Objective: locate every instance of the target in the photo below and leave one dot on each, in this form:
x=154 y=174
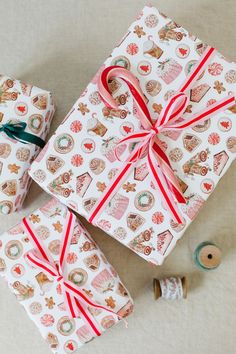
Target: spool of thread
x=207 y=256
x=172 y=288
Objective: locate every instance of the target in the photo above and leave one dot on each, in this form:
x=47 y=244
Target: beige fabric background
x=59 y=45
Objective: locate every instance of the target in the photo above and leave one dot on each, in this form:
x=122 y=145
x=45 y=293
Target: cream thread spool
x=207 y=256
x=172 y=288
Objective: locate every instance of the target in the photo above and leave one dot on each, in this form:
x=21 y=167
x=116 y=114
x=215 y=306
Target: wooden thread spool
x=158 y=286
x=207 y=256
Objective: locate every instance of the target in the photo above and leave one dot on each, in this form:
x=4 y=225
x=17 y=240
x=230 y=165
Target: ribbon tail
x=83 y=302
x=168 y=173
x=109 y=193
x=70 y=304
x=161 y=184
x=177 y=192
x=88 y=317
x=25 y=138
x=77 y=292
x=76 y=309
x=66 y=238
x=11 y=134
x=114 y=186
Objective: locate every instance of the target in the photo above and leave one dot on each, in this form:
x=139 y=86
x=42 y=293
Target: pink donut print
x=162 y=143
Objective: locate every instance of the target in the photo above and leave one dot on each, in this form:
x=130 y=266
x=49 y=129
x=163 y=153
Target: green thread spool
x=207 y=256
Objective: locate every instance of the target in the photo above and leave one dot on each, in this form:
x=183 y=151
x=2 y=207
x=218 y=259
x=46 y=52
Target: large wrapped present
x=61 y=277
x=25 y=116
x=148 y=140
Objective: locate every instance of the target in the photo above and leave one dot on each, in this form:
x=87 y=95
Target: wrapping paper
x=79 y=161
x=20 y=102
x=41 y=296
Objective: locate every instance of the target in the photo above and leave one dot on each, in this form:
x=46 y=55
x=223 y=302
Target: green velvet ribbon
x=16 y=131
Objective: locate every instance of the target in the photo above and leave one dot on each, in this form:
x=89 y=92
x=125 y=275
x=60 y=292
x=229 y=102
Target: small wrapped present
x=148 y=140
x=25 y=116
x=62 y=279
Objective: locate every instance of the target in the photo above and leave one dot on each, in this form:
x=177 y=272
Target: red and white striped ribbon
x=171 y=118
x=76 y=300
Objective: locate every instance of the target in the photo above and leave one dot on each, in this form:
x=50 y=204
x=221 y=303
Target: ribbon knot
x=171 y=118
x=59 y=275
x=16 y=131
x=76 y=300
x=59 y=279
x=154 y=130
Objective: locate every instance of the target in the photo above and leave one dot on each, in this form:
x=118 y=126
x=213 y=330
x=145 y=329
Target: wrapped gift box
x=20 y=102
x=79 y=161
x=85 y=266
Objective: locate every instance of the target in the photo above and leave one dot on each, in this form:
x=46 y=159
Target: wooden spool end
x=185 y=287
x=210 y=256
x=157 y=288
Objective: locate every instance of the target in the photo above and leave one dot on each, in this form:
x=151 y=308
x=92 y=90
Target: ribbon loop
x=172 y=117
x=175 y=107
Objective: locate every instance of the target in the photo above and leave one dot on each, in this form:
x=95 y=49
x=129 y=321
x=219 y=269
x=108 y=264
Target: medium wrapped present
x=61 y=277
x=148 y=140
x=25 y=116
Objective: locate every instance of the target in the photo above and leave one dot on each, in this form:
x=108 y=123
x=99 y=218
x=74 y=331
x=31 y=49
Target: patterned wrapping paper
x=79 y=161
x=41 y=296
x=34 y=106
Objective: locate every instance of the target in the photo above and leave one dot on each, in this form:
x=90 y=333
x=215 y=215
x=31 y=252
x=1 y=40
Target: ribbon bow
x=76 y=299
x=17 y=131
x=172 y=117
